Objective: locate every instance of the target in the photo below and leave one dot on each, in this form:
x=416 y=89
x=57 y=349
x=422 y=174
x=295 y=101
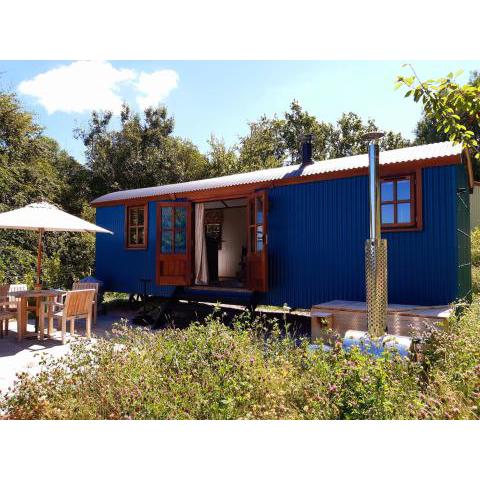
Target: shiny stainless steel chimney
x=375 y=247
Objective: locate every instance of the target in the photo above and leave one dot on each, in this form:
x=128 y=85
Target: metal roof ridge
x=411 y=153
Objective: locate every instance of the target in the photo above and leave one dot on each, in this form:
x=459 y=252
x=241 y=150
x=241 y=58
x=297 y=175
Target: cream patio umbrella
x=44 y=217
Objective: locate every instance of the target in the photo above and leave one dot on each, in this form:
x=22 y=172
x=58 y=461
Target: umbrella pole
x=39 y=258
x=39 y=275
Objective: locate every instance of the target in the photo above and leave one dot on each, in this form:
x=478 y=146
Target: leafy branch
x=454 y=108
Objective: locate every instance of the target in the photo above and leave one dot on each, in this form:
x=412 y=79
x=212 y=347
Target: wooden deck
x=405 y=320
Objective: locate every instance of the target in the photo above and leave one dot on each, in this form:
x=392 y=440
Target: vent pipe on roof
x=307 y=149
x=375 y=247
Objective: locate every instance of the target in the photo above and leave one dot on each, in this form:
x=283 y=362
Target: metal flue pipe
x=374 y=189
x=307 y=149
x=375 y=246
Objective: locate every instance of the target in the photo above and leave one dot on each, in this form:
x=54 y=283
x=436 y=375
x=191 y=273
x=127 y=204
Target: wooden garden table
x=24 y=295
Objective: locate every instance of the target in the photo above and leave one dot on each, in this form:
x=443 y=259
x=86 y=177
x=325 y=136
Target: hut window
x=174 y=230
x=136 y=231
x=398 y=202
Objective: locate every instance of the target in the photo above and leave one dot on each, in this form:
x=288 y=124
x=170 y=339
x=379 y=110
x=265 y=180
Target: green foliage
x=271 y=142
x=263 y=147
x=428 y=131
x=296 y=124
x=451 y=108
x=222 y=159
x=17 y=265
x=34 y=168
x=475 y=249
x=475 y=241
x=213 y=372
x=347 y=136
x=141 y=153
x=68 y=257
x=452 y=369
x=250 y=371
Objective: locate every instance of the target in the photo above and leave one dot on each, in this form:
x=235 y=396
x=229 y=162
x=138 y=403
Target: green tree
x=140 y=153
x=222 y=160
x=451 y=108
x=272 y=142
x=296 y=125
x=34 y=168
x=427 y=130
x=263 y=147
x=347 y=137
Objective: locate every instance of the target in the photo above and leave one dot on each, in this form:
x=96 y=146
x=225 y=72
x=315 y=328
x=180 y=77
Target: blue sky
x=218 y=97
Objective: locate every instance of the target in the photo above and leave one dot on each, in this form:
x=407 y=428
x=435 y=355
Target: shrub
x=452 y=367
x=251 y=371
x=67 y=257
x=475 y=249
x=17 y=265
x=213 y=372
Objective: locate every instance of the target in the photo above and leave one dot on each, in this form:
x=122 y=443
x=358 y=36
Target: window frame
x=138 y=246
x=174 y=229
x=415 y=201
x=254 y=224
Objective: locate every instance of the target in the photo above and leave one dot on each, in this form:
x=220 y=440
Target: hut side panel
x=464 y=260
x=122 y=269
x=317 y=233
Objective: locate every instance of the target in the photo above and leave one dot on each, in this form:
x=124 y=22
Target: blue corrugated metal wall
x=317 y=233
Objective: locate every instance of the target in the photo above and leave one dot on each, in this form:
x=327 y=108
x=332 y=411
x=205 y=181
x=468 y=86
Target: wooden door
x=257 y=242
x=174 y=243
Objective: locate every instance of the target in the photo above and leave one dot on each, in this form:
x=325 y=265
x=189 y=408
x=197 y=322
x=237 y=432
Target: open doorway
x=225 y=224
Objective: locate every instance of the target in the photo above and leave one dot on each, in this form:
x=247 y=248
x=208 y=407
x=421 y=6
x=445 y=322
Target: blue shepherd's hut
x=295 y=234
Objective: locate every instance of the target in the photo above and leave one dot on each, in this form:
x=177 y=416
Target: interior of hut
x=226 y=242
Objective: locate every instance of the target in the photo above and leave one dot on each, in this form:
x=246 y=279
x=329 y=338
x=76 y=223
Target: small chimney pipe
x=307 y=149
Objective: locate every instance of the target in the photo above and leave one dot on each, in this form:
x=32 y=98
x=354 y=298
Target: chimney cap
x=372 y=136
x=308 y=137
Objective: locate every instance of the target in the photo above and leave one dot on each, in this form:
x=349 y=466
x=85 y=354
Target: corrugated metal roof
x=409 y=154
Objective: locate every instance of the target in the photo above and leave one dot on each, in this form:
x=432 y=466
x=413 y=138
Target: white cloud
x=78 y=87
x=95 y=85
x=155 y=87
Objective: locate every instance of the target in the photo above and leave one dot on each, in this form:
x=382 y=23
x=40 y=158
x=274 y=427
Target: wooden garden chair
x=9 y=309
x=77 y=304
x=15 y=302
x=89 y=285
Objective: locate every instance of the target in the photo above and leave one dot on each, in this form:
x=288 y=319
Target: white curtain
x=201 y=266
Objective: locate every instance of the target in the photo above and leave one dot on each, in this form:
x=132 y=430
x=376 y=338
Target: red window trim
x=140 y=246
x=415 y=201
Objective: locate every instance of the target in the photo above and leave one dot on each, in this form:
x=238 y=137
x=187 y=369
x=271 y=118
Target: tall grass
x=213 y=371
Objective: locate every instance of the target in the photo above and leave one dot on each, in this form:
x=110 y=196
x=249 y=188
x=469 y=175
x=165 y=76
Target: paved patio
x=22 y=356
